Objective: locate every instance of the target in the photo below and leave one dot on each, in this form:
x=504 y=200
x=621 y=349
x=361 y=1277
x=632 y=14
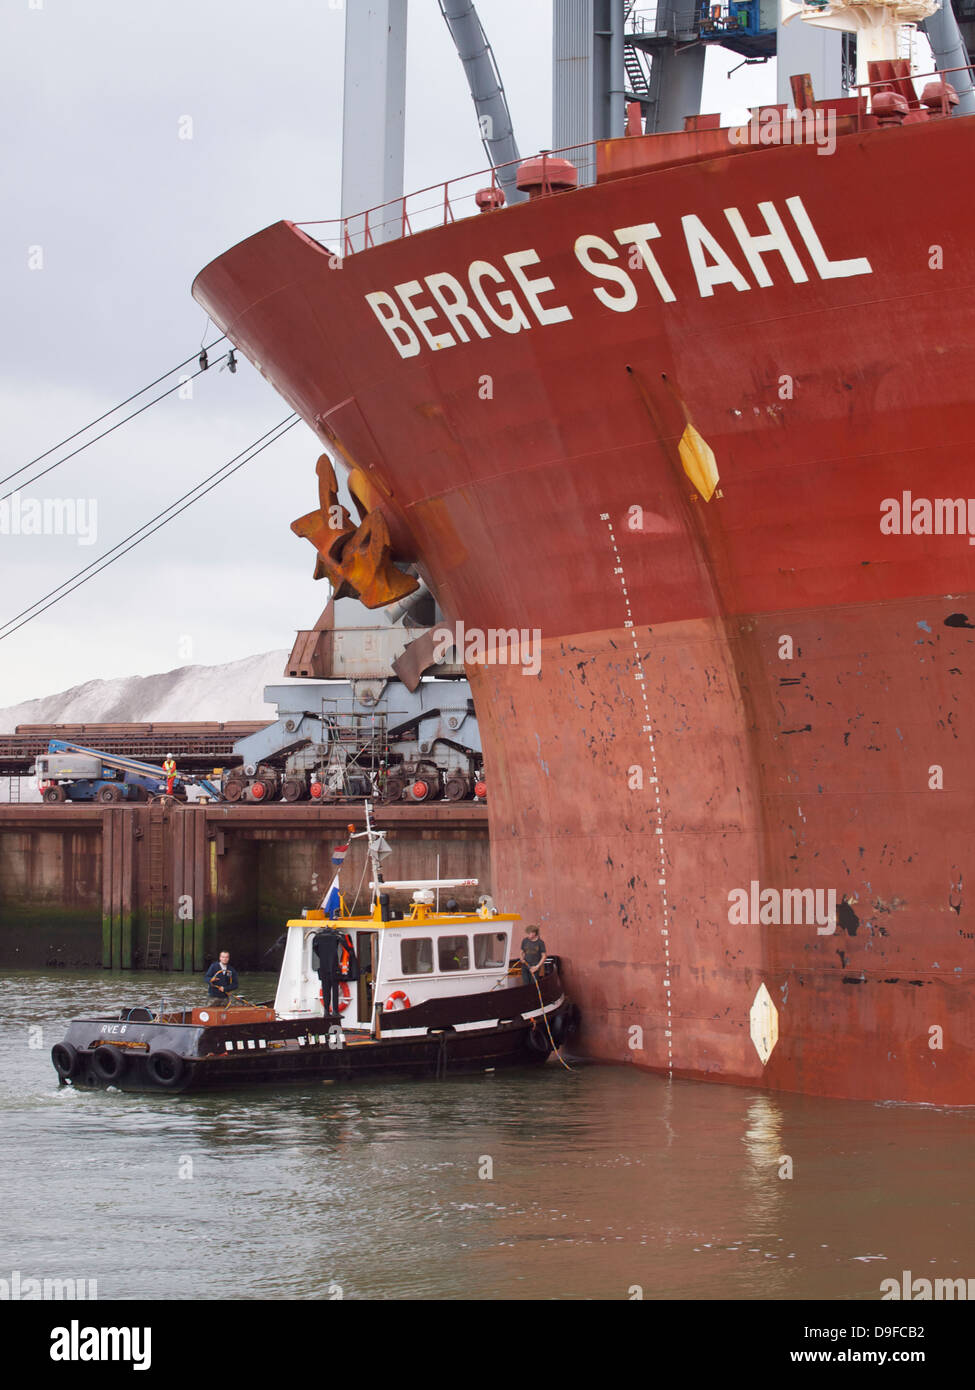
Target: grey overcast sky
x=109 y=214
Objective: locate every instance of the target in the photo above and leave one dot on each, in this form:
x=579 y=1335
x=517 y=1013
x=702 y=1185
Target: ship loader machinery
x=366 y=723
x=70 y=772
x=383 y=730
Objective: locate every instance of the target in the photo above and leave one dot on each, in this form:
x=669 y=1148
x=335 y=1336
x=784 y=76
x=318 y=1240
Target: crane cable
x=107 y=413
x=81 y=447
x=82 y=576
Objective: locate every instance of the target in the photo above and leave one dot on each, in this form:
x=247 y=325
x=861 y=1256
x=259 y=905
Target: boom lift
x=70 y=772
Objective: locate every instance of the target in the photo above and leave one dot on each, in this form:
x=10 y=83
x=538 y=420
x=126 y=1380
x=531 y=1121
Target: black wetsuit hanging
x=336 y=964
x=327 y=945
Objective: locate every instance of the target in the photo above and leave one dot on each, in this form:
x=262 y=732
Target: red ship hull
x=764 y=688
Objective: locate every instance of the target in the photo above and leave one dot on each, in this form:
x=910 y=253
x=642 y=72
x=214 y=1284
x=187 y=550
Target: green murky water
x=528 y=1185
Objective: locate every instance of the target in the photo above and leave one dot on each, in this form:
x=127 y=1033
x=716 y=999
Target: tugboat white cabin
x=404 y=961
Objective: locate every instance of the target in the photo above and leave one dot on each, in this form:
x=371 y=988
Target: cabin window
x=455 y=953
x=490 y=949
x=416 y=955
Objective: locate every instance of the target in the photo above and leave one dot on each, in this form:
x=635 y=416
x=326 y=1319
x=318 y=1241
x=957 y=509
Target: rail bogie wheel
x=233 y=791
x=393 y=790
x=292 y=789
x=455 y=789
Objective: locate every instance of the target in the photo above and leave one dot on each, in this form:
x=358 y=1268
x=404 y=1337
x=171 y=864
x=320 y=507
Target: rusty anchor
x=356 y=559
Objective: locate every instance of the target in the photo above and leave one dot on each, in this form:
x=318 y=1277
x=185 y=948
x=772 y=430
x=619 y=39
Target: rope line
x=91 y=423
x=548 y=1030
x=109 y=558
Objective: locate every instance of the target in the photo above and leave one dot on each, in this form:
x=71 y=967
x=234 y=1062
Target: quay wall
x=147 y=886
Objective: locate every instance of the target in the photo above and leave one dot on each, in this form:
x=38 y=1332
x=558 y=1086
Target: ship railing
x=866 y=91
x=454 y=199
x=653 y=21
x=171 y=1009
x=437 y=205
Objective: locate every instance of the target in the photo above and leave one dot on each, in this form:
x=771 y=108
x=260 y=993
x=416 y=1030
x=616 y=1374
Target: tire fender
x=166 y=1068
x=65 y=1059
x=108 y=1063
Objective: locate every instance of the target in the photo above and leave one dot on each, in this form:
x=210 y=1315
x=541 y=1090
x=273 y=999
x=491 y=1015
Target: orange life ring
x=397 y=994
x=345 y=1000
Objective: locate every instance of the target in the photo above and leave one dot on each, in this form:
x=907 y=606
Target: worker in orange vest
x=169 y=767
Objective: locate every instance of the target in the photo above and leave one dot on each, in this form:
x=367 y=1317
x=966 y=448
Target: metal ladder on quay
x=156 y=911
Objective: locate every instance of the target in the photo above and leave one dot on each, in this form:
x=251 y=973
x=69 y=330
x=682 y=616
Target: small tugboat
x=420 y=993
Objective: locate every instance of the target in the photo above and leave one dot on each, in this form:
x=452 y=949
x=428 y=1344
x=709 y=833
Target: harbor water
x=591 y=1183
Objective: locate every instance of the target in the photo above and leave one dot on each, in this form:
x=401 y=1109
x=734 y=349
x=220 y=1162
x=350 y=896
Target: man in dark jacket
x=221 y=978
x=336 y=963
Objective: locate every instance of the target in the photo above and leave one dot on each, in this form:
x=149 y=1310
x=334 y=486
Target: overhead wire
x=97 y=421
x=103 y=562
x=118 y=424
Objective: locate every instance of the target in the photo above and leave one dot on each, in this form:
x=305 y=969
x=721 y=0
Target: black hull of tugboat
x=430 y=1057
x=180 y=1057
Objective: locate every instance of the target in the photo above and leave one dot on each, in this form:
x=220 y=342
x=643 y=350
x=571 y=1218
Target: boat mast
x=374 y=838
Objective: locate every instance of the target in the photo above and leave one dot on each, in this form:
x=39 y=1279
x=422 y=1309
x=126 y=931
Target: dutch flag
x=331 y=903
x=339 y=853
